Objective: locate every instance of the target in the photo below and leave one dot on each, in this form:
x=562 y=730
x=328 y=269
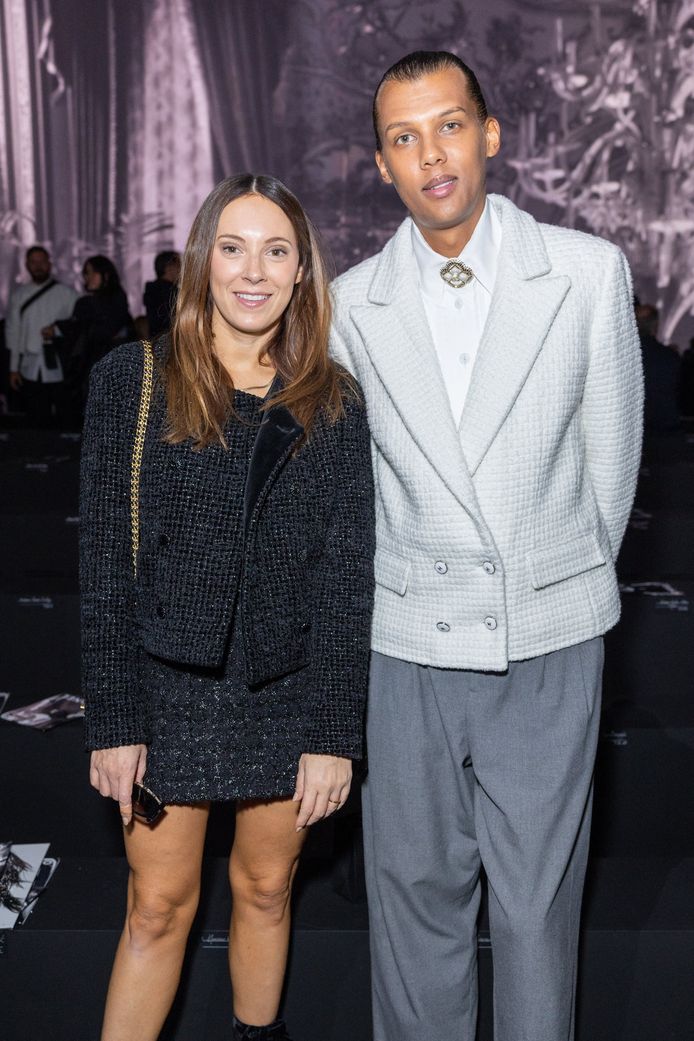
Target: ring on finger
x=335 y=802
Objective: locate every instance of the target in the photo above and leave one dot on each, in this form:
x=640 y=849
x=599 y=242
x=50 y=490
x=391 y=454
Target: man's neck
x=450 y=242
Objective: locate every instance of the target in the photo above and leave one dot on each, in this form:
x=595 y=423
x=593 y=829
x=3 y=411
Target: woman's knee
x=265 y=892
x=154 y=916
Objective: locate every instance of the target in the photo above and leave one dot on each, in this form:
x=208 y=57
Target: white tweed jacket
x=497 y=541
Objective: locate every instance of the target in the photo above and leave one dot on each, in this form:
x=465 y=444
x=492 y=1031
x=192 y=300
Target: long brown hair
x=199 y=390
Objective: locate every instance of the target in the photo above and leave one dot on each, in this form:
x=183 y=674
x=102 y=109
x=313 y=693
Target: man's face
x=39 y=266
x=434 y=149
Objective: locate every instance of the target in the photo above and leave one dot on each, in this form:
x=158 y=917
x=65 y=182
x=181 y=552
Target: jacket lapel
x=395 y=332
x=277 y=433
x=525 y=302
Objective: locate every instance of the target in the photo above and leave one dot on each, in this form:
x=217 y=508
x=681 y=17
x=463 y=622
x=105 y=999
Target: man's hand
x=322 y=786
x=15 y=381
x=48 y=332
x=112 y=772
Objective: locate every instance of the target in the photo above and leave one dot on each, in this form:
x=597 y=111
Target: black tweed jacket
x=299 y=568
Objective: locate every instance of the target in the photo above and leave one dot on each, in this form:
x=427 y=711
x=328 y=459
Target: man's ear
x=492 y=132
x=382 y=168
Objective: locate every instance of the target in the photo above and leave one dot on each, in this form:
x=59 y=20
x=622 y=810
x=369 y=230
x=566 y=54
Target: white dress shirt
x=457 y=317
x=23 y=332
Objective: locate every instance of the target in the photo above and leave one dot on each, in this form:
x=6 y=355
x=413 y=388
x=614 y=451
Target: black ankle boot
x=276 y=1031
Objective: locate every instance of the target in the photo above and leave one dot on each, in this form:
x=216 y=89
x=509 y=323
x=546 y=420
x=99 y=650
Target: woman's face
x=255 y=266
x=93 y=280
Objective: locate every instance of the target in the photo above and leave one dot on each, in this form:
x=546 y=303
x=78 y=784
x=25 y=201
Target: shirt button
x=441 y=566
x=490 y=622
x=464 y=359
x=443 y=627
x=459 y=304
x=489 y=567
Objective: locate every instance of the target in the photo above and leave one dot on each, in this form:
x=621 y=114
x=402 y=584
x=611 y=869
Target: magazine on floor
x=20 y=864
x=47 y=713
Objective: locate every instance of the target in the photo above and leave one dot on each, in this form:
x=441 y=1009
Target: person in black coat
x=160 y=295
x=227 y=542
x=100 y=321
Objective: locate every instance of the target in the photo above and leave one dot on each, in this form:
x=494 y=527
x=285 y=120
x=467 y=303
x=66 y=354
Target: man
x=500 y=363
x=34 y=363
x=159 y=296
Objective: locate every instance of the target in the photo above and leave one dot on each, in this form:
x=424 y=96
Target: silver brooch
x=456 y=275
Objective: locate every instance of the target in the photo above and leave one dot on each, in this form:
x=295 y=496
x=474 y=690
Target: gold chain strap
x=138 y=446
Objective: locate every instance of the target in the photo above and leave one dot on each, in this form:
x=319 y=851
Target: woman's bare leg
x=163 y=889
x=263 y=863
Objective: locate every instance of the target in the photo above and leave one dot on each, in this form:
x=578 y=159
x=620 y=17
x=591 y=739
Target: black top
x=99 y=321
x=296 y=569
x=159 y=299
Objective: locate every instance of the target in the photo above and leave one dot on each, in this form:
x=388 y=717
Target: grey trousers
x=469 y=769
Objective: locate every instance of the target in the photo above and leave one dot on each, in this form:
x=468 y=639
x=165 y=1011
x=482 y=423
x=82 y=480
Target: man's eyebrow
x=406 y=122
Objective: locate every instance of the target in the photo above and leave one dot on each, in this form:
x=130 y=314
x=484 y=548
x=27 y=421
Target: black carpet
x=638 y=933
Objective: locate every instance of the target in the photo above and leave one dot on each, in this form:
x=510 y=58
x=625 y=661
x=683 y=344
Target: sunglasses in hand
x=147 y=806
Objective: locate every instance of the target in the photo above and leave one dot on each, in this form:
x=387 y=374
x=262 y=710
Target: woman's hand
x=112 y=772
x=322 y=786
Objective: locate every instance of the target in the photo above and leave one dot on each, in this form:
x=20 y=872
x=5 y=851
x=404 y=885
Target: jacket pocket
x=560 y=560
x=392 y=571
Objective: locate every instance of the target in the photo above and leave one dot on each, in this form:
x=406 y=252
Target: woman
x=233 y=665
x=100 y=321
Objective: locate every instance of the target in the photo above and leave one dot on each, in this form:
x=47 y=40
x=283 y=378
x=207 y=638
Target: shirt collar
x=481 y=254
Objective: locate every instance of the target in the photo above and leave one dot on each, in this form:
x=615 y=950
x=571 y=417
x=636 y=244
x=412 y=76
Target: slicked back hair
x=422 y=63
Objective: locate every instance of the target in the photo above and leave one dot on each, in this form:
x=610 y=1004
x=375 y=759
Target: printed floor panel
x=649 y=659
x=40 y=553
x=633 y=980
x=644 y=798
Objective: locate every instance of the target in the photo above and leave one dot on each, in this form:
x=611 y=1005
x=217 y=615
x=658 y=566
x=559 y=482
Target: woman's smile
x=252 y=300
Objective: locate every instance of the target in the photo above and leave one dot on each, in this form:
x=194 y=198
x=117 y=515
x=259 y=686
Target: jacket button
x=490 y=622
x=489 y=567
x=160 y=612
x=306 y=627
x=164 y=539
x=443 y=627
x=441 y=566
x=303 y=555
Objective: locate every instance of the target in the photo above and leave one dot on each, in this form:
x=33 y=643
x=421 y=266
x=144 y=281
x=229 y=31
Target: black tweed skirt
x=216 y=739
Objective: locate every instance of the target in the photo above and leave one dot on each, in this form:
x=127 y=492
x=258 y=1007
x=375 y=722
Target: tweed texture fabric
x=211 y=736
x=297 y=577
x=496 y=540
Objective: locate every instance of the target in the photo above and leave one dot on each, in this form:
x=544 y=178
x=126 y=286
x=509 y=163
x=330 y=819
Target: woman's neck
x=244 y=359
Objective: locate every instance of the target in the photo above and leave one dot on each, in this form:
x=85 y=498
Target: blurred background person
x=35 y=364
x=686 y=395
x=99 y=322
x=160 y=296
x=661 y=372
